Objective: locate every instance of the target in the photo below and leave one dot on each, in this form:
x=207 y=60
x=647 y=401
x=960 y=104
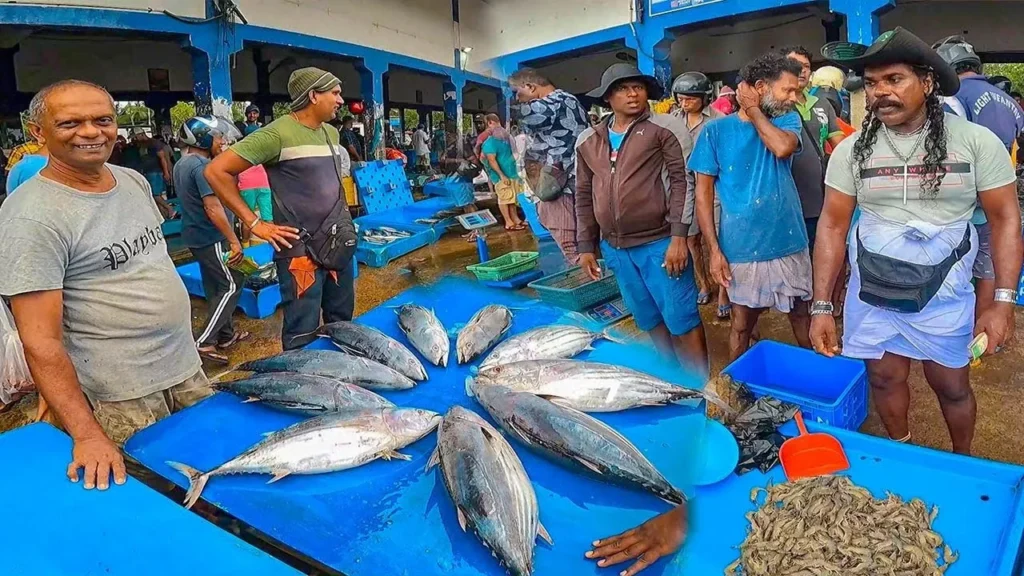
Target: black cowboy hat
x=898 y=46
x=623 y=71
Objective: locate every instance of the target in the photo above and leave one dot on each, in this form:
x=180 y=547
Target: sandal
x=703 y=298
x=238 y=336
x=212 y=355
x=724 y=312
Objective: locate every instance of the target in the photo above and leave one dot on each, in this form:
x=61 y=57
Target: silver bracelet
x=1006 y=295
x=254 y=223
x=821 y=308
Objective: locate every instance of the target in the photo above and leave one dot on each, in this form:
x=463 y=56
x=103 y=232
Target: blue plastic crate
x=379 y=256
x=533 y=218
x=171 y=227
x=832 y=391
x=1020 y=290
x=574 y=290
x=461 y=193
x=382 y=185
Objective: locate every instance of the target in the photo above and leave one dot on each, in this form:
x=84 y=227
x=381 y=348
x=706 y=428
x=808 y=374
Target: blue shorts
x=156 y=183
x=651 y=295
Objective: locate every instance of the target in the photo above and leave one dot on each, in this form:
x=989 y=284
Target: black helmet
x=956 y=51
x=692 y=84
x=1001 y=82
x=252 y=108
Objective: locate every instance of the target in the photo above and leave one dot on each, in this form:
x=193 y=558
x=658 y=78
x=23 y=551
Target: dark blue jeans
x=336 y=300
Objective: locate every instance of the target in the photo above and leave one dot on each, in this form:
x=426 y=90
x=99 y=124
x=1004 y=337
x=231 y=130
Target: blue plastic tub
x=379 y=256
x=171 y=227
x=532 y=218
x=831 y=391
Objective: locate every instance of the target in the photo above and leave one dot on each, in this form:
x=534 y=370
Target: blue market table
x=392 y=518
x=52 y=527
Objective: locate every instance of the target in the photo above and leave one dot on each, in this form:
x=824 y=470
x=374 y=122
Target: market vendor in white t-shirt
x=916 y=174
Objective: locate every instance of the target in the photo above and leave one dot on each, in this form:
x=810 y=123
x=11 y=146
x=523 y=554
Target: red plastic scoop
x=809 y=455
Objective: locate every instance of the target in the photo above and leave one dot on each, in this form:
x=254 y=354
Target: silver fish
x=485 y=328
x=587 y=386
x=362 y=340
x=487 y=483
x=303 y=393
x=425 y=332
x=328 y=443
x=334 y=364
x=543 y=343
x=571 y=438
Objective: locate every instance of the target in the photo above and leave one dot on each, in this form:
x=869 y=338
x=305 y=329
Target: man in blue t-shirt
x=760 y=254
x=987 y=105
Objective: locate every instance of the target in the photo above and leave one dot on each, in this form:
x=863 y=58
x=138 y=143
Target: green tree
x=412 y=119
x=1015 y=72
x=133 y=114
x=280 y=109
x=180 y=112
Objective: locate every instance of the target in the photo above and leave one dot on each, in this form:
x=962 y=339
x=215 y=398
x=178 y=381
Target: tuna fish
x=327 y=443
x=425 y=332
x=493 y=496
x=542 y=343
x=588 y=386
x=574 y=439
x=304 y=393
x=333 y=364
x=485 y=328
x=362 y=340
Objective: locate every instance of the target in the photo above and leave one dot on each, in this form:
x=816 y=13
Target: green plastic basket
x=504 y=267
x=573 y=288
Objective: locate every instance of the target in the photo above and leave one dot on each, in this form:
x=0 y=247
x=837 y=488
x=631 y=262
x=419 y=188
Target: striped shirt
x=301 y=171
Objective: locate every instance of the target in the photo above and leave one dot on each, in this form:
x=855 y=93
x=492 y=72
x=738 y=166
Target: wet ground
x=998 y=384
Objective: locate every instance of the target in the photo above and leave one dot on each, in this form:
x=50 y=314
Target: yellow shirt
x=20 y=150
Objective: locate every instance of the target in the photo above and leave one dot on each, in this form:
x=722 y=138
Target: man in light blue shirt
x=25 y=169
x=761 y=253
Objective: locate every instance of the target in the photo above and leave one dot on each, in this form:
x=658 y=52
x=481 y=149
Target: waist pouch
x=903 y=286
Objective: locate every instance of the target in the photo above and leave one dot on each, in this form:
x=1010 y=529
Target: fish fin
x=216 y=378
x=318 y=331
x=305 y=407
x=543 y=533
x=462 y=518
x=267 y=434
x=469 y=386
x=558 y=400
x=278 y=474
x=250 y=399
x=394 y=455
x=435 y=459
x=589 y=465
x=582 y=319
x=196 y=482
x=609 y=335
x=718 y=401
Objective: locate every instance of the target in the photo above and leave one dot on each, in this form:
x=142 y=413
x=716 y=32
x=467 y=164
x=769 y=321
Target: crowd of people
x=761 y=198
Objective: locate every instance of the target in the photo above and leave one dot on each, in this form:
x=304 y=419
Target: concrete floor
x=998 y=384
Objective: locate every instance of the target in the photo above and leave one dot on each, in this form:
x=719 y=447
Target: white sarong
x=943 y=330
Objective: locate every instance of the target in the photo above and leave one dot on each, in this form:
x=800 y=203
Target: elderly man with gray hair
x=102 y=313
x=305 y=165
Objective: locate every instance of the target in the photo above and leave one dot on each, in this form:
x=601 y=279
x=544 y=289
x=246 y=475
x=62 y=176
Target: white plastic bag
x=15 y=379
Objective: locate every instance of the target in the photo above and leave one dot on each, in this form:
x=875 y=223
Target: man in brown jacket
x=631 y=193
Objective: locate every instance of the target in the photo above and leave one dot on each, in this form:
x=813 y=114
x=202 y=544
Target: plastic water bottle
x=481 y=247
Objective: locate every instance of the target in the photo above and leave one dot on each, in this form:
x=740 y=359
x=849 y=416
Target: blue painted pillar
x=212 y=46
x=453 y=88
x=371 y=79
x=653 y=52
x=862 y=17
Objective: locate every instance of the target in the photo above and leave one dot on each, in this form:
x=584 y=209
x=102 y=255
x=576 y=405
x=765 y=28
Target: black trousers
x=223 y=287
x=335 y=300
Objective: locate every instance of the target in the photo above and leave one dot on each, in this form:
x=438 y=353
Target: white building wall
x=186 y=8
x=505 y=26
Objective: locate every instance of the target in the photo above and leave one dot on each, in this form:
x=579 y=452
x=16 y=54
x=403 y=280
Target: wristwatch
x=1006 y=295
x=821 y=308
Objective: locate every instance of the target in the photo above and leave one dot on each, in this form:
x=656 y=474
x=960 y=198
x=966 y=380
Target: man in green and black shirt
x=296 y=152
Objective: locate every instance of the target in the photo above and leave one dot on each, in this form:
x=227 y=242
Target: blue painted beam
x=862 y=17
x=505 y=65
x=705 y=13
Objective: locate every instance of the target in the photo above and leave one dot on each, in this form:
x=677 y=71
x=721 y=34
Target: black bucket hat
x=894 y=47
x=623 y=71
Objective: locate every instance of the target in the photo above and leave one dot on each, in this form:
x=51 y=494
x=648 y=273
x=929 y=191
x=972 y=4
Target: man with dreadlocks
x=916 y=173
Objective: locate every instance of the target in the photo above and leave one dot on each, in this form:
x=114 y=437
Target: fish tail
x=717 y=400
x=196 y=482
x=609 y=335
